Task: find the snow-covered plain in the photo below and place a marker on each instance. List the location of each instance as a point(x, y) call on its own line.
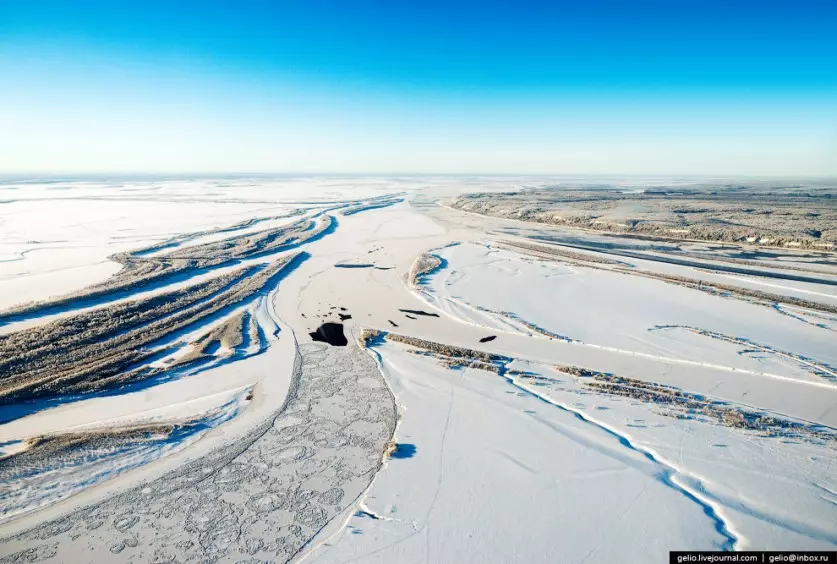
point(527, 462)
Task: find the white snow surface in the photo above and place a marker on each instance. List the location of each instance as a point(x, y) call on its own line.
point(490, 467)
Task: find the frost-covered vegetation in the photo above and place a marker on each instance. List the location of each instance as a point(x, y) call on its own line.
point(106, 347)
point(383, 202)
point(555, 251)
point(803, 216)
point(139, 269)
point(736, 291)
point(228, 335)
point(686, 404)
point(425, 263)
point(449, 355)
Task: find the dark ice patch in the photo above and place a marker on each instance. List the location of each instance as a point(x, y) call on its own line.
point(419, 312)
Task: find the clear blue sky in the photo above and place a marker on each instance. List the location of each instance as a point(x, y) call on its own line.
point(711, 87)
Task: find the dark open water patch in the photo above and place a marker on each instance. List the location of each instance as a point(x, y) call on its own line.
point(393, 323)
point(344, 316)
point(331, 333)
point(364, 265)
point(419, 312)
point(487, 339)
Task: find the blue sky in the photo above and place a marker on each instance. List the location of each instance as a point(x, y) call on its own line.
point(438, 87)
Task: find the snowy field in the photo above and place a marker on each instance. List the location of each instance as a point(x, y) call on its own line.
point(349, 370)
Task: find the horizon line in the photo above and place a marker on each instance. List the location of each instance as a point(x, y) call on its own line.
point(74, 175)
